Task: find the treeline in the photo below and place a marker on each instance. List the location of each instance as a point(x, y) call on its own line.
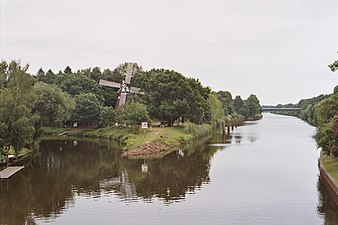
point(47, 99)
point(320, 111)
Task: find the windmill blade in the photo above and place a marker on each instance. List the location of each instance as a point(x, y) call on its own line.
point(109, 83)
point(136, 90)
point(129, 73)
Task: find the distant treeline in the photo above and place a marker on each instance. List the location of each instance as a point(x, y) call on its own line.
point(320, 111)
point(48, 99)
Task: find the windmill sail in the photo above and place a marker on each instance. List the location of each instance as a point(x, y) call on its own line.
point(109, 83)
point(129, 73)
point(135, 90)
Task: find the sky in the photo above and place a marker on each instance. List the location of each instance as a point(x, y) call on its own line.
point(276, 49)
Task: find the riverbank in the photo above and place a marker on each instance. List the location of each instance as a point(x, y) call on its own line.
point(329, 174)
point(14, 157)
point(151, 141)
point(255, 117)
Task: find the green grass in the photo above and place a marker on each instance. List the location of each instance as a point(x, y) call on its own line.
point(53, 130)
point(24, 151)
point(170, 136)
point(330, 164)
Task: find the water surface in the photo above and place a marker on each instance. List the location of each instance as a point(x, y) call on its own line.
point(262, 173)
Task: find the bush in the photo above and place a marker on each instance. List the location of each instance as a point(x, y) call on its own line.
point(324, 137)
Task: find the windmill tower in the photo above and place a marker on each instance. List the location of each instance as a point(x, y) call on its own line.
point(124, 88)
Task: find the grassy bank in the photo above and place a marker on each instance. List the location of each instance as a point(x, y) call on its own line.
point(330, 164)
point(169, 136)
point(22, 153)
point(53, 130)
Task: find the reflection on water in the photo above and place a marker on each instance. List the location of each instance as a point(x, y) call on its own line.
point(67, 168)
point(261, 173)
point(327, 207)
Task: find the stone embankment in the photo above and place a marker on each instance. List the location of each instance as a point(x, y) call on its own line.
point(329, 183)
point(149, 149)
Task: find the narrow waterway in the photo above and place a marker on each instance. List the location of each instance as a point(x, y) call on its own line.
point(265, 172)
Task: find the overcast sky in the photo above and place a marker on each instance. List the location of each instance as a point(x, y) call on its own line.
point(276, 49)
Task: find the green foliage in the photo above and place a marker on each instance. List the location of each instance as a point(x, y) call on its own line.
point(326, 109)
point(107, 117)
point(334, 66)
point(238, 104)
point(197, 130)
point(17, 100)
point(87, 109)
point(54, 106)
point(170, 96)
point(49, 77)
point(75, 84)
point(173, 136)
point(217, 111)
point(133, 113)
point(324, 137)
point(253, 106)
point(227, 102)
point(68, 70)
point(327, 135)
point(53, 130)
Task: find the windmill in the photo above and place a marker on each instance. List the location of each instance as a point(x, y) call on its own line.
point(124, 88)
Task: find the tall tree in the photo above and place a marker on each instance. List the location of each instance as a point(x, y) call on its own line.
point(217, 111)
point(87, 109)
point(68, 70)
point(107, 116)
point(238, 103)
point(54, 106)
point(17, 120)
point(253, 105)
point(227, 102)
point(134, 113)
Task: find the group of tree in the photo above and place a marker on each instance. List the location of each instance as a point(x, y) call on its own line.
point(30, 102)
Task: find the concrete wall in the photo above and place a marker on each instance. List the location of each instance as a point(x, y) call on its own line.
point(329, 183)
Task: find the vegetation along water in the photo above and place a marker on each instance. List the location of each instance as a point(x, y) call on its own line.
point(264, 172)
point(187, 163)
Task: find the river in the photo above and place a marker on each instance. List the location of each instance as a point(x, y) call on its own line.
point(265, 172)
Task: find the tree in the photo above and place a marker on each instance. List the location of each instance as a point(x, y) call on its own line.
point(227, 102)
point(75, 84)
point(68, 70)
point(327, 109)
point(92, 73)
point(170, 96)
point(87, 109)
point(252, 104)
point(17, 100)
point(217, 111)
point(324, 137)
point(49, 77)
point(53, 106)
point(133, 114)
point(107, 116)
point(238, 104)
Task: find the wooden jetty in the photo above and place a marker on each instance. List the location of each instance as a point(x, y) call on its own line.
point(10, 171)
point(63, 133)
